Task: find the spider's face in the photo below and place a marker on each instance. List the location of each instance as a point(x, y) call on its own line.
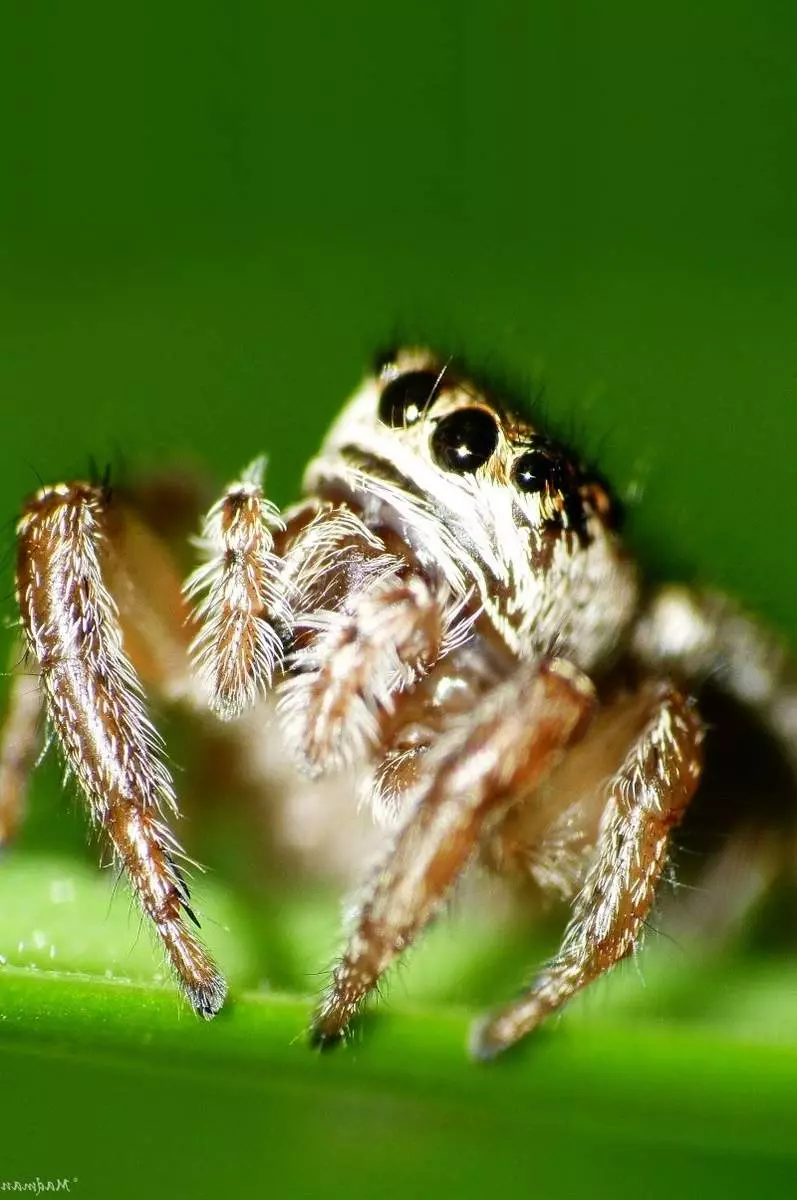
point(485, 497)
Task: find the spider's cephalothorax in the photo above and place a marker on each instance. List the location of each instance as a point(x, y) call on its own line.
point(449, 616)
point(485, 501)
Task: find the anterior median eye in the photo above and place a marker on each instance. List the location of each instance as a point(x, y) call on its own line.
point(464, 440)
point(405, 397)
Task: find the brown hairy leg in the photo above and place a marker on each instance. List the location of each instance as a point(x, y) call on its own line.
point(420, 716)
point(72, 539)
point(20, 742)
point(512, 740)
point(146, 585)
point(546, 843)
point(645, 799)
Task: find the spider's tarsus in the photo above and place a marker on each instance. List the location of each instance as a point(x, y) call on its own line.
point(483, 1045)
point(209, 998)
point(321, 1040)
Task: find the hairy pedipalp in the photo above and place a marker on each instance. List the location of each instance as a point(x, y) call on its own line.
point(241, 602)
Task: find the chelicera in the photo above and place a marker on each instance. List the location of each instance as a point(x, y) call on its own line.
point(449, 624)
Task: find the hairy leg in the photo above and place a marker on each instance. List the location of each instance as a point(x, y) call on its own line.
point(646, 798)
point(367, 626)
point(546, 843)
point(514, 737)
point(69, 542)
point(421, 715)
point(20, 741)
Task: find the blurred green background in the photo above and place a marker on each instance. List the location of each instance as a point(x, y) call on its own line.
point(210, 216)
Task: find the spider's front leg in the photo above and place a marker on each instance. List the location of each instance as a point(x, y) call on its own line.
point(645, 799)
point(69, 541)
point(513, 739)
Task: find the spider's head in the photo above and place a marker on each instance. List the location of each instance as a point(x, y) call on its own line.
point(470, 484)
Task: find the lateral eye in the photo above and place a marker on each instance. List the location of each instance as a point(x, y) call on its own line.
point(465, 440)
point(535, 471)
point(404, 399)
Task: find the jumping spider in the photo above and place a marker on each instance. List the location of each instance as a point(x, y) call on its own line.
point(451, 615)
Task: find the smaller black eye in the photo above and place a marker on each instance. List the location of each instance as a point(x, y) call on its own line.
point(405, 397)
point(464, 440)
point(535, 470)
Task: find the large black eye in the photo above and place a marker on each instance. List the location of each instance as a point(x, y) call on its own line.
point(546, 471)
point(535, 470)
point(406, 396)
point(464, 440)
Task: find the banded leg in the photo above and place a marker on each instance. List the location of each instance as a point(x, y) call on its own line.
point(514, 738)
point(646, 798)
point(94, 702)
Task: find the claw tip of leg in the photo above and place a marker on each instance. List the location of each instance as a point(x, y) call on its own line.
point(209, 998)
point(321, 1040)
point(483, 1045)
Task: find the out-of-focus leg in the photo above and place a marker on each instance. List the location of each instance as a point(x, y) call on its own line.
point(20, 740)
point(646, 798)
point(705, 915)
point(702, 636)
point(511, 741)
